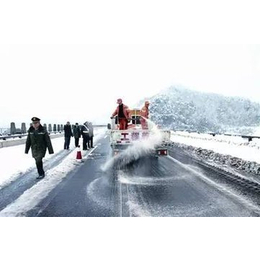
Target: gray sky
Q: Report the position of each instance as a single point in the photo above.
(78, 82)
(70, 61)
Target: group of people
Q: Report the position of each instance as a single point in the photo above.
(38, 140)
(86, 131)
(123, 113)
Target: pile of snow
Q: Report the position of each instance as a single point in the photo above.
(228, 151)
(23, 162)
(233, 140)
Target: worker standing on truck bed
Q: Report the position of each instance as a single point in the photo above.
(123, 113)
(144, 115)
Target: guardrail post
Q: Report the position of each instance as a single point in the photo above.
(12, 128)
(49, 128)
(23, 128)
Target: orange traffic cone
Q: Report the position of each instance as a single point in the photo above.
(79, 155)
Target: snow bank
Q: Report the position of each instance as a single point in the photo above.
(14, 162)
(33, 196)
(225, 151)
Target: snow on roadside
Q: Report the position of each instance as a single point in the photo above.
(33, 196)
(14, 162)
(30, 198)
(227, 145)
(226, 151)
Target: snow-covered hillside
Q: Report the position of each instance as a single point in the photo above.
(179, 108)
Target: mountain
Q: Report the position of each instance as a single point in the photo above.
(179, 108)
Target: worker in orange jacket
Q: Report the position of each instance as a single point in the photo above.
(144, 115)
(123, 113)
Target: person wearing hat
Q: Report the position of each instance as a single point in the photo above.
(123, 113)
(144, 115)
(38, 140)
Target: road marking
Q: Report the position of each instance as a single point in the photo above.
(242, 200)
(38, 192)
(128, 200)
(105, 136)
(87, 154)
(120, 200)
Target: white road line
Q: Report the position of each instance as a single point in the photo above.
(105, 136)
(244, 201)
(120, 200)
(33, 196)
(86, 157)
(130, 213)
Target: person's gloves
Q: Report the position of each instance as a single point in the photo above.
(111, 117)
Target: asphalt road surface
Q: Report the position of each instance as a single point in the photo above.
(174, 185)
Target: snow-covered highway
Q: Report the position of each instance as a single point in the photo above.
(175, 185)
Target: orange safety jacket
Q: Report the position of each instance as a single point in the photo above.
(145, 112)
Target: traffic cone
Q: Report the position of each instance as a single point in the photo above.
(79, 155)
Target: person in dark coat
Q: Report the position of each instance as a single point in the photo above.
(85, 135)
(38, 140)
(91, 133)
(123, 113)
(67, 135)
(76, 133)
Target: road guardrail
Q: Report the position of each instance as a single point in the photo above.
(249, 137)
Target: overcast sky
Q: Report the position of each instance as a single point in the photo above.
(62, 61)
(78, 82)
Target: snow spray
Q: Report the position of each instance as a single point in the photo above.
(138, 149)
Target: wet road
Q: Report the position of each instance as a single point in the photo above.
(176, 185)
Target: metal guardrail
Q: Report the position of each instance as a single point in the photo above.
(249, 137)
(4, 137)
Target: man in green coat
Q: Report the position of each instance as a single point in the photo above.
(38, 140)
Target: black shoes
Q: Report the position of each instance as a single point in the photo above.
(40, 177)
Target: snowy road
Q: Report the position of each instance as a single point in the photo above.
(175, 185)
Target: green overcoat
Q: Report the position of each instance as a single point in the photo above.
(38, 141)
